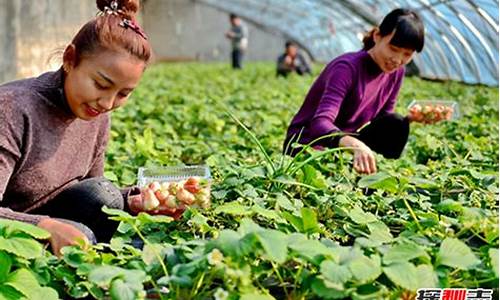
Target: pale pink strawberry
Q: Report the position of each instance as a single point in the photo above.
(150, 201)
(185, 196)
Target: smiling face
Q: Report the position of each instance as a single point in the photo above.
(387, 56)
(100, 83)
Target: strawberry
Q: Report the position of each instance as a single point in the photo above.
(150, 201)
(162, 195)
(184, 196)
(192, 185)
(154, 186)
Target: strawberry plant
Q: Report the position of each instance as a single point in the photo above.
(307, 227)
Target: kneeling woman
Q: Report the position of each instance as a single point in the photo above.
(359, 88)
(54, 130)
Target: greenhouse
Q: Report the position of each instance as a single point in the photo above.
(257, 149)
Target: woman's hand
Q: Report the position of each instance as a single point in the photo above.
(364, 159)
(62, 234)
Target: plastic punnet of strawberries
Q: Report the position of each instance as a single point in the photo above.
(171, 198)
(429, 114)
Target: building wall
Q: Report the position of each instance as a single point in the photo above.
(189, 30)
(32, 32)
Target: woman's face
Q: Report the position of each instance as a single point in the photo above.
(100, 83)
(387, 56)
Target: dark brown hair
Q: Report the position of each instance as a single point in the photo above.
(107, 31)
(408, 27)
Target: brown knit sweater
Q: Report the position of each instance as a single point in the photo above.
(44, 148)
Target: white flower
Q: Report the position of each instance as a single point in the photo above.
(215, 257)
(221, 294)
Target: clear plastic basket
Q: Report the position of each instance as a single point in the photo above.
(146, 175)
(447, 103)
(179, 191)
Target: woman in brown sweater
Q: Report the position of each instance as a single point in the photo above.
(54, 130)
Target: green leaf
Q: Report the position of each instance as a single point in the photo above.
(325, 290)
(379, 232)
(5, 265)
(267, 213)
(365, 269)
(454, 253)
(309, 220)
(146, 218)
(228, 242)
(335, 272)
(150, 252)
(103, 275)
(23, 247)
(29, 229)
(25, 282)
(380, 181)
(294, 220)
(312, 250)
(256, 296)
(121, 291)
(403, 252)
(403, 274)
(118, 214)
(493, 253)
(10, 293)
(360, 217)
(424, 183)
(426, 277)
(274, 243)
(110, 175)
(234, 209)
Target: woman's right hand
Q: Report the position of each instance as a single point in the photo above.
(62, 234)
(364, 159)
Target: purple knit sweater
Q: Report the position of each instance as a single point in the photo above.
(351, 91)
(44, 148)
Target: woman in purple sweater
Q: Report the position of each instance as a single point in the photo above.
(54, 130)
(359, 88)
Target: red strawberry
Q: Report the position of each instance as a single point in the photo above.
(154, 186)
(184, 196)
(150, 201)
(192, 185)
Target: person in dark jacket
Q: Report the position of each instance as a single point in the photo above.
(292, 61)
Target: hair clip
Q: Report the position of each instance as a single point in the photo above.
(126, 23)
(112, 9)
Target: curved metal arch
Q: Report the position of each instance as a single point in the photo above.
(457, 34)
(478, 36)
(315, 37)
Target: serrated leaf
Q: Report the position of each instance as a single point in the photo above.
(364, 269)
(360, 217)
(150, 252)
(403, 252)
(5, 265)
(379, 232)
(493, 253)
(312, 250)
(426, 277)
(234, 209)
(309, 220)
(335, 272)
(325, 291)
(121, 291)
(25, 282)
(455, 253)
(29, 229)
(256, 296)
(403, 274)
(274, 243)
(380, 180)
(23, 247)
